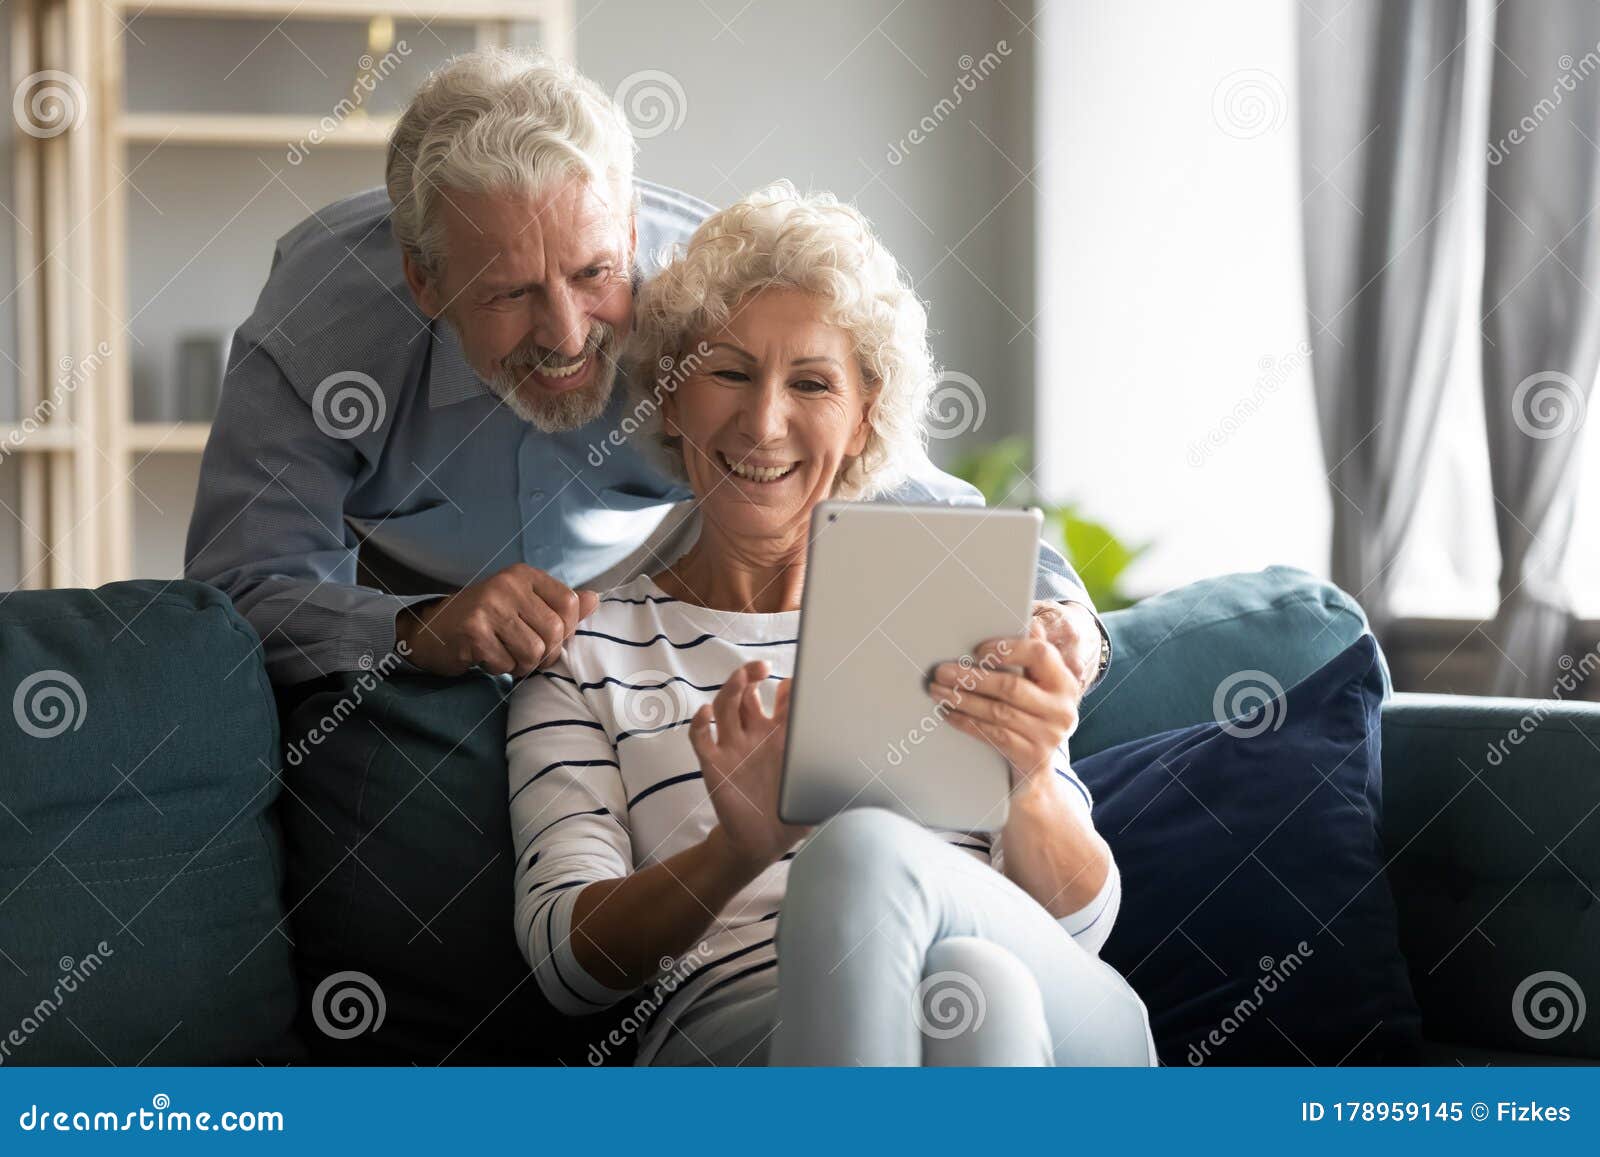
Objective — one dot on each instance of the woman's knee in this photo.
(855, 846)
(851, 869)
(979, 1004)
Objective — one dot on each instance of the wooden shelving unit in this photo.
(77, 449)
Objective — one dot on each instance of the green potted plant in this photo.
(1001, 472)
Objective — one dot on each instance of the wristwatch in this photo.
(1105, 645)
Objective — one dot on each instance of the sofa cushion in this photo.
(140, 873)
(400, 878)
(1256, 919)
(1172, 654)
(1492, 807)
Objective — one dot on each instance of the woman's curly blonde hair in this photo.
(779, 238)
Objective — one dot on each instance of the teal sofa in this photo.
(196, 872)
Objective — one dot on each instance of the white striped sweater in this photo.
(603, 782)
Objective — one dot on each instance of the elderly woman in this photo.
(791, 365)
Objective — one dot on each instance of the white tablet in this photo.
(890, 592)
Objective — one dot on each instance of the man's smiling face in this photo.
(538, 290)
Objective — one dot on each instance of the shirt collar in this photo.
(450, 378)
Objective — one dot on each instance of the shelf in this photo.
(15, 439)
(307, 132)
(168, 437)
(448, 11)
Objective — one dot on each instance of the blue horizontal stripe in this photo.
(554, 723)
(655, 787)
(695, 642)
(564, 763)
(599, 811)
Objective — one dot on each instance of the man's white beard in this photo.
(553, 413)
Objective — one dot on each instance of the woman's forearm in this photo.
(1050, 851)
(622, 928)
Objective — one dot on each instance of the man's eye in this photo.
(592, 272)
(513, 294)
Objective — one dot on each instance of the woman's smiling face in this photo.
(773, 408)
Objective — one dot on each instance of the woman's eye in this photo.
(731, 375)
(812, 386)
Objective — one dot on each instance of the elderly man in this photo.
(417, 443)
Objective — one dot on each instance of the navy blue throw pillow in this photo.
(1256, 921)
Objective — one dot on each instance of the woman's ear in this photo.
(863, 430)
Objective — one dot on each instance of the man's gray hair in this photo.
(501, 120)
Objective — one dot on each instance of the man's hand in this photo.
(1071, 629)
(513, 622)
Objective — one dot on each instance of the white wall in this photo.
(819, 92)
(1170, 284)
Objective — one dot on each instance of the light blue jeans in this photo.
(895, 948)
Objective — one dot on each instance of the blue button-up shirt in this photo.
(420, 460)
